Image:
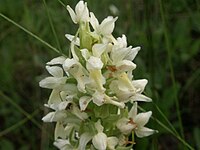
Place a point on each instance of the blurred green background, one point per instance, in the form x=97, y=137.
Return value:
x=167, y=31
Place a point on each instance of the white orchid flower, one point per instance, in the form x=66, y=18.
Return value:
x=81, y=13
x=100, y=98
x=78, y=72
x=135, y=122
x=101, y=141
x=53, y=82
x=94, y=66
x=127, y=90
x=120, y=49
x=105, y=28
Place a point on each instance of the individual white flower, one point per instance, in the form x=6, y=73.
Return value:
x=105, y=28
x=127, y=90
x=120, y=50
x=81, y=13
x=100, y=98
x=135, y=122
x=100, y=139
x=94, y=66
x=53, y=82
x=78, y=72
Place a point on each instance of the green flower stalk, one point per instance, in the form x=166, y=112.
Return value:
x=91, y=90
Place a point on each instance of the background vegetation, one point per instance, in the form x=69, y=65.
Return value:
x=167, y=30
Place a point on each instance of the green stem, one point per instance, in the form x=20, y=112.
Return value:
x=31, y=34
x=171, y=67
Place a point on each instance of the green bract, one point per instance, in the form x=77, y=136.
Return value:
x=91, y=90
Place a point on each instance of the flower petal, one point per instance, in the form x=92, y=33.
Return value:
x=124, y=126
x=143, y=132
x=132, y=53
x=84, y=139
x=107, y=25
x=72, y=14
x=93, y=21
x=98, y=98
x=133, y=112
x=140, y=97
x=55, y=71
x=125, y=65
x=98, y=49
x=82, y=12
x=84, y=101
x=140, y=84
x=94, y=63
x=142, y=118
x=59, y=131
x=100, y=141
x=52, y=82
x=71, y=38
x=112, y=142
x=57, y=61
x=62, y=144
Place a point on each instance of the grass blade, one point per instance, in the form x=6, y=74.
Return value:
x=167, y=43
x=20, y=123
x=31, y=34
x=6, y=98
x=52, y=26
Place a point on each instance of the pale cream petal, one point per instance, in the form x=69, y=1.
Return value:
x=72, y=14
x=132, y=53
x=59, y=131
x=84, y=101
x=140, y=97
x=140, y=85
x=52, y=82
x=57, y=61
x=98, y=49
x=93, y=21
x=73, y=38
x=107, y=25
x=133, y=112
x=143, y=132
x=142, y=118
x=94, y=63
x=100, y=141
x=84, y=139
x=124, y=126
x=55, y=71
x=112, y=142
x=125, y=65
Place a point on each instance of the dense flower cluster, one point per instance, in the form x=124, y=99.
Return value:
x=91, y=90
